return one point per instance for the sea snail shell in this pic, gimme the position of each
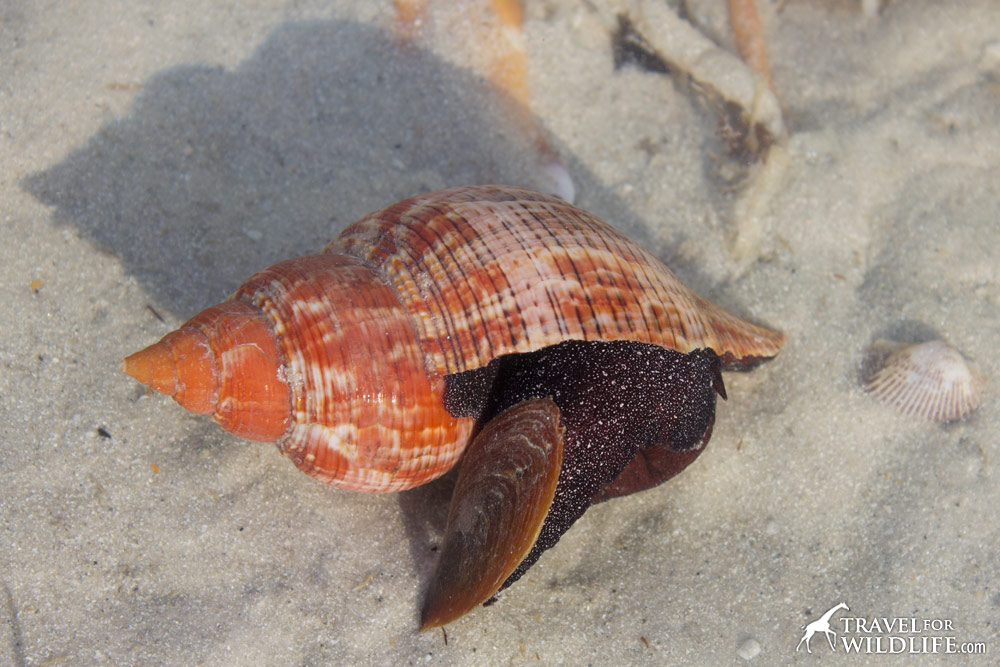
(488, 314)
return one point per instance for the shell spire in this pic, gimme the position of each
(225, 361)
(318, 356)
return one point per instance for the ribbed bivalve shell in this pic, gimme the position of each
(352, 346)
(930, 380)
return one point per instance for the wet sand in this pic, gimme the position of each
(152, 158)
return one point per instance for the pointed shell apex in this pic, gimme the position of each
(930, 380)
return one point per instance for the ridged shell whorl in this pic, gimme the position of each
(365, 413)
(489, 270)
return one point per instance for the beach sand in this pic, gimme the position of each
(152, 156)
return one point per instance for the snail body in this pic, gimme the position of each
(374, 364)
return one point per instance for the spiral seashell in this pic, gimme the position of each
(930, 380)
(566, 364)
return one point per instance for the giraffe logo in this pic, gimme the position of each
(822, 624)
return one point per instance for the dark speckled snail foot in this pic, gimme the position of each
(634, 415)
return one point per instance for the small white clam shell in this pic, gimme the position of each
(931, 380)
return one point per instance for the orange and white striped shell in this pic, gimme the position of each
(341, 357)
